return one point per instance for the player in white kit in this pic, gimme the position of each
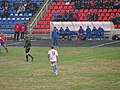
(53, 58)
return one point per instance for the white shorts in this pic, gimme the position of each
(53, 63)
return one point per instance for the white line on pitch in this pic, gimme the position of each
(14, 43)
(105, 44)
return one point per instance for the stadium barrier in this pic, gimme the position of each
(74, 26)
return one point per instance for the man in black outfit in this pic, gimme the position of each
(27, 47)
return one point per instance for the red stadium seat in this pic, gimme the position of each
(54, 3)
(108, 14)
(114, 10)
(47, 26)
(119, 26)
(63, 11)
(100, 10)
(60, 7)
(62, 3)
(48, 11)
(115, 26)
(40, 22)
(51, 7)
(112, 14)
(65, 7)
(69, 7)
(58, 3)
(91, 10)
(72, 3)
(110, 10)
(76, 10)
(100, 18)
(56, 7)
(102, 14)
(86, 10)
(118, 10)
(42, 26)
(105, 18)
(81, 11)
(37, 26)
(104, 10)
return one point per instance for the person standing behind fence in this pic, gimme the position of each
(55, 35)
(88, 33)
(23, 30)
(17, 28)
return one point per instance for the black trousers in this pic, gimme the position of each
(22, 35)
(16, 36)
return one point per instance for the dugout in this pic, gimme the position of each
(74, 26)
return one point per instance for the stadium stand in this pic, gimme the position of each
(7, 22)
(60, 6)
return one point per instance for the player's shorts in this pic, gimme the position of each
(53, 63)
(27, 50)
(2, 44)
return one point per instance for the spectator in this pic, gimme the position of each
(55, 36)
(66, 16)
(16, 5)
(32, 9)
(21, 9)
(95, 16)
(5, 3)
(55, 15)
(118, 19)
(116, 4)
(70, 15)
(5, 12)
(101, 32)
(111, 4)
(60, 17)
(112, 19)
(75, 16)
(90, 16)
(67, 33)
(17, 28)
(80, 33)
(88, 33)
(61, 33)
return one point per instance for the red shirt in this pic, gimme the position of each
(23, 28)
(17, 27)
(2, 38)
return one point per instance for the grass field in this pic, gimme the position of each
(79, 69)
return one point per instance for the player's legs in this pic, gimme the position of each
(56, 42)
(3, 44)
(54, 65)
(0, 47)
(31, 56)
(27, 54)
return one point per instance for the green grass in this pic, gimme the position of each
(79, 69)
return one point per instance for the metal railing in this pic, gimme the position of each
(39, 15)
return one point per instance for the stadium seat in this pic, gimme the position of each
(109, 10)
(100, 10)
(104, 10)
(114, 10)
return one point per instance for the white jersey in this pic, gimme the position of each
(53, 53)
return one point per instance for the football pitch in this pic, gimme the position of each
(80, 68)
